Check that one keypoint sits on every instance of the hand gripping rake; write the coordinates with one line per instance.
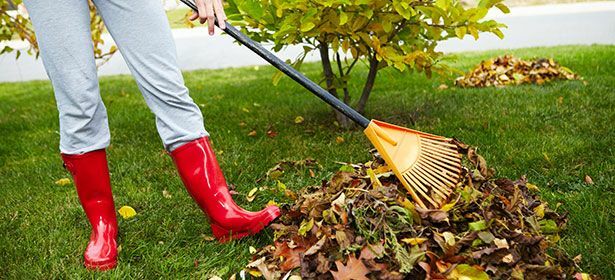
(427, 165)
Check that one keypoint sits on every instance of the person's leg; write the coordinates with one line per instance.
(63, 34)
(142, 33)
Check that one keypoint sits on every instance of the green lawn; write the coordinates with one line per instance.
(555, 134)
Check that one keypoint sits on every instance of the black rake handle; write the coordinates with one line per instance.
(290, 71)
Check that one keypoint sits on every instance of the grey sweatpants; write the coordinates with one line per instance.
(141, 31)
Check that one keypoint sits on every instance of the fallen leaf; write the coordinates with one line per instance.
(354, 269)
(467, 272)
(306, 226)
(508, 258)
(63, 182)
(449, 238)
(271, 133)
(316, 247)
(478, 225)
(291, 257)
(166, 194)
(127, 212)
(299, 119)
(262, 269)
(414, 241)
(588, 180)
(207, 237)
(252, 133)
(372, 251)
(252, 194)
(339, 139)
(501, 243)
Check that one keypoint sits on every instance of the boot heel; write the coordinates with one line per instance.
(218, 231)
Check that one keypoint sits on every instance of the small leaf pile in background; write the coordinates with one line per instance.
(509, 70)
(361, 225)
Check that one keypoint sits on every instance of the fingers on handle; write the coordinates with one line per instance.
(194, 15)
(219, 7)
(200, 4)
(209, 8)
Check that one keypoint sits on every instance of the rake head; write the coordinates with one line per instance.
(428, 165)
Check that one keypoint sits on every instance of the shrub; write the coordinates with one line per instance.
(399, 33)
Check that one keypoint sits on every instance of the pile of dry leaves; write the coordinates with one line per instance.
(361, 225)
(507, 70)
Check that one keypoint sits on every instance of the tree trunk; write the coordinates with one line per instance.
(369, 84)
(327, 69)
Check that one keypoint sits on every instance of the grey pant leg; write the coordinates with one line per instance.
(142, 33)
(63, 34)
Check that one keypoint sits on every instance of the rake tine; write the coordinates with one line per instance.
(428, 170)
(415, 185)
(438, 166)
(434, 181)
(421, 176)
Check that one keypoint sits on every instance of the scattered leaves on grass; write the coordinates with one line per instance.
(127, 212)
(360, 224)
(299, 119)
(252, 194)
(207, 237)
(278, 170)
(166, 194)
(63, 182)
(588, 180)
(509, 70)
(271, 133)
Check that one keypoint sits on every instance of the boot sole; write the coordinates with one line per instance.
(224, 235)
(101, 266)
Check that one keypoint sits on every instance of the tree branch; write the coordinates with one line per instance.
(326, 67)
(369, 84)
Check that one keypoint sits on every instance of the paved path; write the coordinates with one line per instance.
(578, 23)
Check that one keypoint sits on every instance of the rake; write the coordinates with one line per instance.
(428, 165)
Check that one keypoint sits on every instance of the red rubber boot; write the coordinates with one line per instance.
(199, 170)
(91, 176)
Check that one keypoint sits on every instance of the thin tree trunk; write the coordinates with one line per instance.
(369, 84)
(327, 69)
(344, 82)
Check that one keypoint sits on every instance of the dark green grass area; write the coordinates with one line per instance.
(555, 134)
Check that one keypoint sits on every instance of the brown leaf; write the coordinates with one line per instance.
(291, 257)
(271, 133)
(353, 270)
(588, 180)
(316, 247)
(370, 252)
